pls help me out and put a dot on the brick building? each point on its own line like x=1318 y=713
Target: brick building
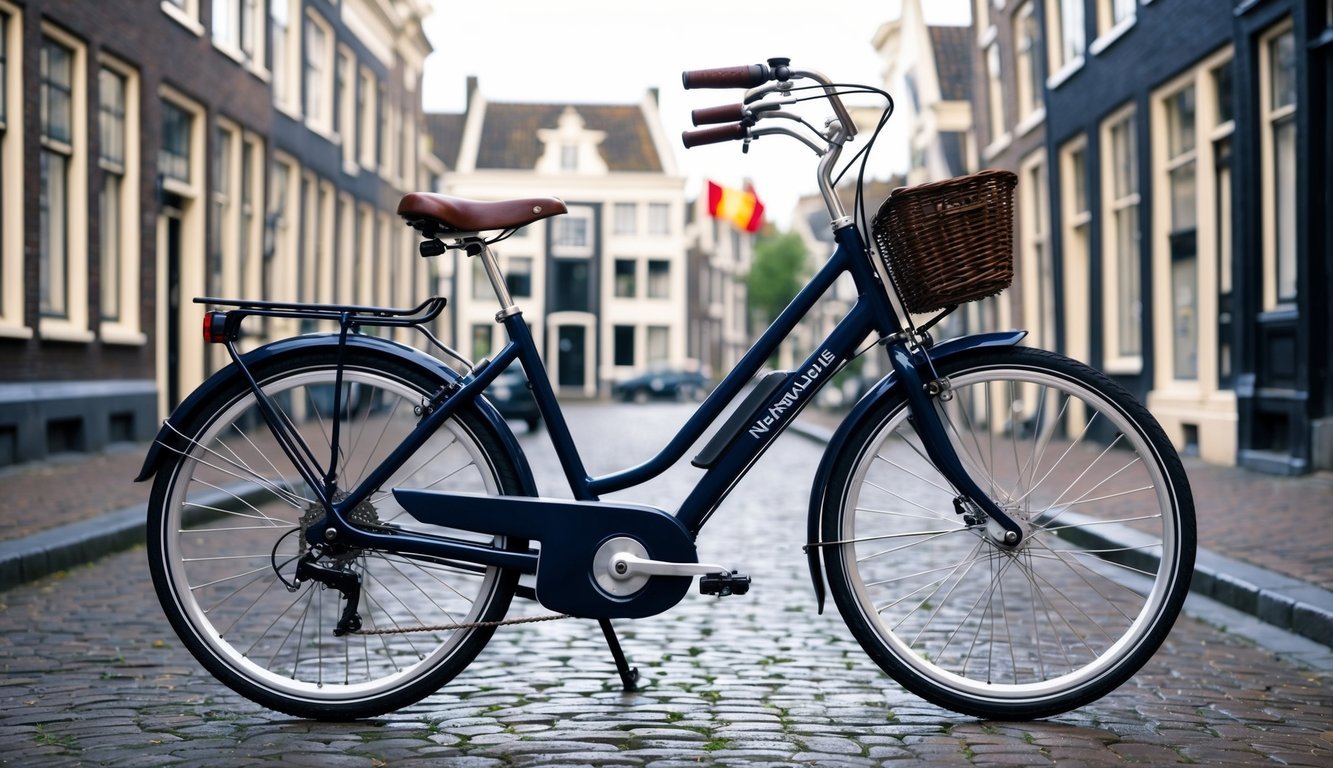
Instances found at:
x=152 y=152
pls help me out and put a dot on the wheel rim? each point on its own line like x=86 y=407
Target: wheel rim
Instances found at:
x=236 y=505
x=1082 y=592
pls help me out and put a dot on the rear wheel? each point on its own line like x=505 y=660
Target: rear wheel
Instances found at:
x=1013 y=632
x=226 y=521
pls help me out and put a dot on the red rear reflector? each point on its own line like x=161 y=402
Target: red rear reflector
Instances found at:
x=215 y=327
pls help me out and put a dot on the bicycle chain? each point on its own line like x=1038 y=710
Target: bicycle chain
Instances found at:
x=451 y=627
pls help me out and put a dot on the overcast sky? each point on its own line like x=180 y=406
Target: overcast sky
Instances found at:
x=612 y=51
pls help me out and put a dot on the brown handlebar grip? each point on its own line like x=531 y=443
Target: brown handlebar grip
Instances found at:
x=747 y=76
x=714 y=135
x=727 y=113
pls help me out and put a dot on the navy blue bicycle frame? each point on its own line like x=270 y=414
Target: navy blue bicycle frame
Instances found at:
x=871 y=314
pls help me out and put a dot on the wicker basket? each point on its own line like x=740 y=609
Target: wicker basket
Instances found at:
x=949 y=242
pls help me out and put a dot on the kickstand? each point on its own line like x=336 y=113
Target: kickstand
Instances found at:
x=629 y=676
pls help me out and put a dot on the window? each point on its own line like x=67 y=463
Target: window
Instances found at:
x=622 y=345
x=659 y=219
x=1030 y=75
x=385 y=117
x=184 y=11
x=626 y=219
x=1120 y=254
x=481 y=283
x=366 y=107
x=1036 y=266
x=235 y=27
x=995 y=95
x=285 y=48
x=365 y=265
x=318 y=73
x=347 y=108
x=481 y=340
x=1182 y=230
x=57 y=155
x=518 y=277
x=116 y=273
x=224 y=219
x=658 y=344
x=407 y=149
x=659 y=279
x=279 y=275
x=1113 y=18
x=11 y=174
x=573 y=285
x=1065 y=39
x=626 y=273
x=1221 y=83
x=569 y=157
x=572 y=234
x=1076 y=245
x=173 y=157
x=1278 y=117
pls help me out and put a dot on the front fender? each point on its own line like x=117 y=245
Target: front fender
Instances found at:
x=169 y=439
x=838 y=443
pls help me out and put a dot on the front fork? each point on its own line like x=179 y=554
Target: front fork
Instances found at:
x=911 y=363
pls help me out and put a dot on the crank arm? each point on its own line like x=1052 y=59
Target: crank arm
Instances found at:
x=625 y=565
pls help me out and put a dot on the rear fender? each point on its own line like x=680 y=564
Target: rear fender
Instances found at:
x=169 y=439
x=863 y=410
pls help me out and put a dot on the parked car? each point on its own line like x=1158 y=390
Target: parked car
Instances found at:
x=510 y=395
x=663 y=383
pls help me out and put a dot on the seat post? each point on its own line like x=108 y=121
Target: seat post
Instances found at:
x=482 y=250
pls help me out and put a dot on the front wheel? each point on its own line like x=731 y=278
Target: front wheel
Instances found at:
x=1012 y=632
x=227 y=518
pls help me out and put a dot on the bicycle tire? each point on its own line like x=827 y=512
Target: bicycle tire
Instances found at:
x=225 y=515
x=1012 y=633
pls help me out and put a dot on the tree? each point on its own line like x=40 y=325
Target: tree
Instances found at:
x=777 y=273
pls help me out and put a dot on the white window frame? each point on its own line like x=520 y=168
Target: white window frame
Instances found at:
x=1029 y=87
x=1273 y=209
x=286 y=59
x=1062 y=63
x=368 y=88
x=12 y=317
x=229 y=26
x=1035 y=250
x=1114 y=304
x=575 y=213
x=626 y=219
x=1109 y=28
x=126 y=327
x=72 y=325
x=1076 y=245
x=659 y=219
x=186 y=13
x=348 y=128
x=317 y=73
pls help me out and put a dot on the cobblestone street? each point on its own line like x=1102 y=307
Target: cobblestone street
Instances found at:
x=92 y=673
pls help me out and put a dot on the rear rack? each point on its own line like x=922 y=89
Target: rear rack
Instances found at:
x=350 y=314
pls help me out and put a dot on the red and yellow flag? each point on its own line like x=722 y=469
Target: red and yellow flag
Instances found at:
x=739 y=206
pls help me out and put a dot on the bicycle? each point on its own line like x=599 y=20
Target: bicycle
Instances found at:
x=338 y=522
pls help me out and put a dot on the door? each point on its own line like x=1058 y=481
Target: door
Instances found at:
x=572 y=356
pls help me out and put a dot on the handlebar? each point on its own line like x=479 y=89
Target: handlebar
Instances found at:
x=726 y=113
x=738 y=121
x=745 y=76
x=714 y=135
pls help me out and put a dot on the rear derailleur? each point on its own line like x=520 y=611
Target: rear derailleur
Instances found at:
x=340 y=577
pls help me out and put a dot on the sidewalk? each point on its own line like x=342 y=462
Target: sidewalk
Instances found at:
x=1266 y=542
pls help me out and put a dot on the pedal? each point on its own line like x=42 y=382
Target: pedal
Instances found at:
x=724 y=584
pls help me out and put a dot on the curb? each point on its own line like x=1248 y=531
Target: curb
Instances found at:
x=59 y=549
x=1274 y=599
